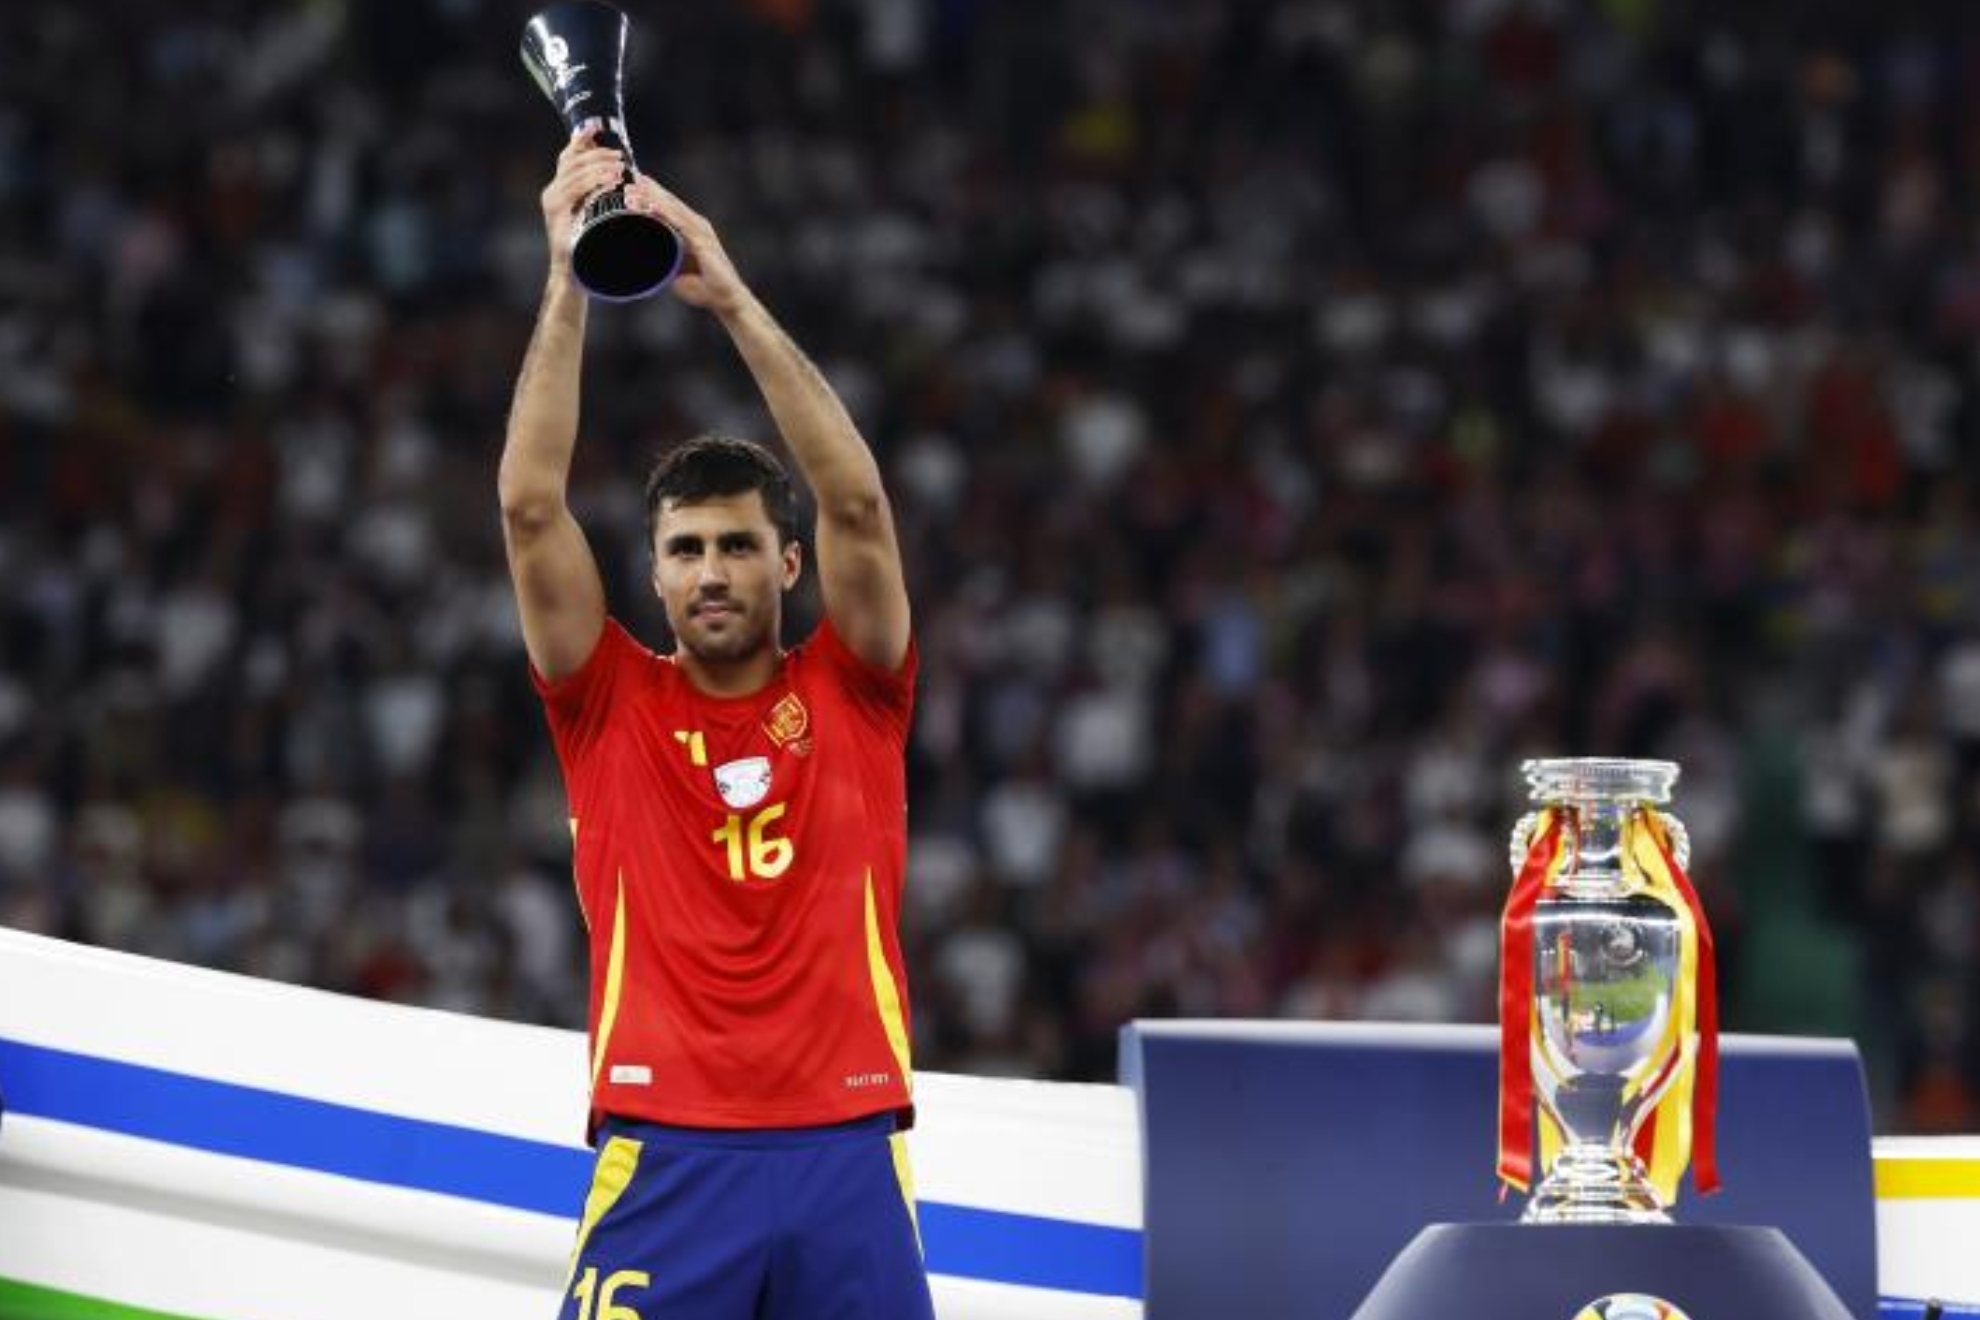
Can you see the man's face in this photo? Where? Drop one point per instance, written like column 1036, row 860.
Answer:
column 721, row 575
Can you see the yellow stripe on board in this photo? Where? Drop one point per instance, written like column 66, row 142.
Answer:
column 609, row 1180
column 885, row 993
column 1928, row 1180
column 615, row 970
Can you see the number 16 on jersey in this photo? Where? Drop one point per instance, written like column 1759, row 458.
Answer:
column 754, row 853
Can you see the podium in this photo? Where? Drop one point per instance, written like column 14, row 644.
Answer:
column 1551, row 1271
column 1289, row 1163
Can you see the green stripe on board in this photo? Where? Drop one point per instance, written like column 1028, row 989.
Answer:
column 24, row 1301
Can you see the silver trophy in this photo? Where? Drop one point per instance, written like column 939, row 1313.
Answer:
column 576, row 52
column 1606, row 986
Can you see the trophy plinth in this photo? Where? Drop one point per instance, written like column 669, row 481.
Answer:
column 576, row 53
column 1591, row 1272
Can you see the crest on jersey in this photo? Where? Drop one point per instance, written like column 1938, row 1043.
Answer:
column 744, row 783
column 787, row 720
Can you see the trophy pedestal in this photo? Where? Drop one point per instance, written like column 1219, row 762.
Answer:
column 1551, row 1271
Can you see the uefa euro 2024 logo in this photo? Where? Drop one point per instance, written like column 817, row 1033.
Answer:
column 1629, row 1306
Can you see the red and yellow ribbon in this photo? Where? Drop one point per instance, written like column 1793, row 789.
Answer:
column 1544, row 856
column 1680, row 1128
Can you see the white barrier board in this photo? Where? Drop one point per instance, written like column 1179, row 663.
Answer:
column 243, row 1145
column 255, row 1149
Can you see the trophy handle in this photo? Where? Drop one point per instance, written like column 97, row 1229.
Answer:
column 1522, row 840
column 1680, row 840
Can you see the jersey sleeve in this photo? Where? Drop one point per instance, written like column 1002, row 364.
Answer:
column 579, row 705
column 885, row 694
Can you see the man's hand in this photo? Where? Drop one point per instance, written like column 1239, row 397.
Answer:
column 584, row 170
column 708, row 278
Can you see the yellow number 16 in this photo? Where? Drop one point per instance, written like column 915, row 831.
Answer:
column 607, row 1308
column 754, row 853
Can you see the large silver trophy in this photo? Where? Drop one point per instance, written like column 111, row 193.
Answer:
column 576, row 52
column 1606, row 966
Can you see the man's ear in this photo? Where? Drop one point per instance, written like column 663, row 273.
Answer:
column 793, row 562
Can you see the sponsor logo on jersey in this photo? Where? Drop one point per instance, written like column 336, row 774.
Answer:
column 744, row 783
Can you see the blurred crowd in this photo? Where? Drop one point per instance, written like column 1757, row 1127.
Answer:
column 1296, row 413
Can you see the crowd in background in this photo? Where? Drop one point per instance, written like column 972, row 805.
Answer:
column 1295, row 413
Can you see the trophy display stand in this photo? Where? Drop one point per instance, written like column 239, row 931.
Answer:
column 1552, row 1271
column 1608, row 1016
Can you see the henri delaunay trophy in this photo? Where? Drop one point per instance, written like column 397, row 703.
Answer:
column 1607, row 1000
column 576, row 52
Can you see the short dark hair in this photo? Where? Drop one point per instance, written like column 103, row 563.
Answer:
column 712, row 466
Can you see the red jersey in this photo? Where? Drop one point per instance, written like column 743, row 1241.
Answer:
column 739, row 864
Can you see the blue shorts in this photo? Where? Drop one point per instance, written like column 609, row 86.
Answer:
column 782, row 1224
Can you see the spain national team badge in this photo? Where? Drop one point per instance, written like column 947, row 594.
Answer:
column 744, row 783
column 787, row 721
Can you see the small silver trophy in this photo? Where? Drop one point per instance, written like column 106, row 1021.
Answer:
column 576, row 52
column 1600, row 990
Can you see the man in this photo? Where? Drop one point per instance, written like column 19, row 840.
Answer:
column 739, row 823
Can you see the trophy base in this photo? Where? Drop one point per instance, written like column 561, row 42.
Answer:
column 621, row 255
column 1595, row 1185
column 1508, row 1272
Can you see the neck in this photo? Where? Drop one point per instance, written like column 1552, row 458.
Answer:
column 729, row 678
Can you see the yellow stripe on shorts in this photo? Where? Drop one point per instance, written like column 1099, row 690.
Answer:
column 904, row 1175
column 609, row 1180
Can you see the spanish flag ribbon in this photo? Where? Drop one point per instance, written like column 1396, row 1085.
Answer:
column 1682, row 1126
column 1544, row 857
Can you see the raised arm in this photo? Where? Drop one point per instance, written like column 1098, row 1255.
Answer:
column 859, row 559
column 557, row 586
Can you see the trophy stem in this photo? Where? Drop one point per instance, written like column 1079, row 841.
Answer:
column 1595, row 1183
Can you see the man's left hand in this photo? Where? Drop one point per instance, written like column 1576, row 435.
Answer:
column 708, row 278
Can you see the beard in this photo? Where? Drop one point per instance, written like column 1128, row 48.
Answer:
column 738, row 639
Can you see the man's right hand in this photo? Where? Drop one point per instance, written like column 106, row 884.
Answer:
column 584, row 170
